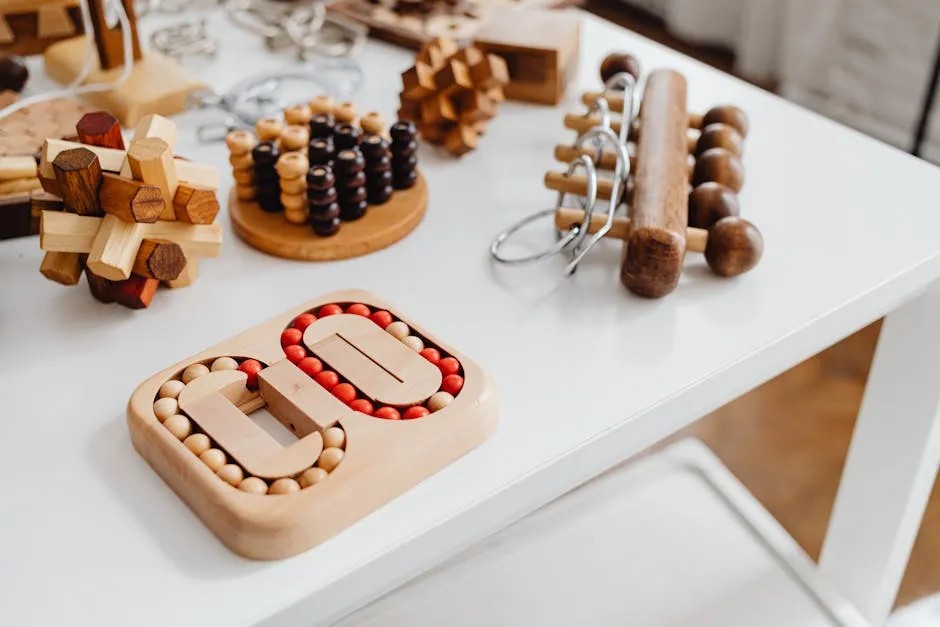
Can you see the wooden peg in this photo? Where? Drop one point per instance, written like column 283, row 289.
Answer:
column 100, row 128
column 64, row 268
column 194, row 204
column 159, row 259
column 129, row 200
column 577, row 184
column 114, row 249
column 78, row 175
column 151, row 162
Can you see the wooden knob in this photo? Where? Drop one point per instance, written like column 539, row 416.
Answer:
column 709, row 203
column 727, row 114
column 720, row 135
column 734, row 246
column 615, row 63
column 721, row 166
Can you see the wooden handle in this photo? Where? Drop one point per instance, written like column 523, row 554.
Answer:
column 621, row 227
column 608, row 160
column 615, row 103
column 577, row 184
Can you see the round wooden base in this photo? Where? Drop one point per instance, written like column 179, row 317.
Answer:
column 382, row 226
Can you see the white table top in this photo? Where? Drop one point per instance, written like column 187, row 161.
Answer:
column 588, row 374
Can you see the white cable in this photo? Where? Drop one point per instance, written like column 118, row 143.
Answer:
column 73, row 89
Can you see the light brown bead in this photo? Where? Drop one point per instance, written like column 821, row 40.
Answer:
column 194, row 371
column 298, row 114
column 269, row 129
column 345, row 113
column 244, row 177
column 179, row 426
column 398, row 330
column 295, row 138
column 294, row 186
column 253, row 485
column 330, row 458
column 414, row 343
column 198, row 443
column 734, row 246
column 334, row 437
column 322, row 104
column 439, row 400
column 213, row 458
column 372, row 123
column 298, row 215
column 223, row 363
column 720, row 135
column 312, row 476
column 171, row 389
column 240, row 142
column 284, row 485
column 245, row 192
column 165, row 407
column 292, row 165
column 242, row 162
column 231, row 474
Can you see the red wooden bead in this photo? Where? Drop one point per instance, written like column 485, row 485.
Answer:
column 359, row 310
column 449, row 365
column 310, row 366
column 432, row 355
column 416, row 411
column 251, row 367
column 345, row 392
column 303, row 321
column 329, row 310
column 361, row 405
column 452, row 384
column 295, row 353
column 388, row 413
column 328, row 379
column 289, row 337
column 382, row 318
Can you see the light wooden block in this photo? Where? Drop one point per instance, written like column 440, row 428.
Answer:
column 12, row 168
column 114, row 249
column 64, row 268
column 151, row 161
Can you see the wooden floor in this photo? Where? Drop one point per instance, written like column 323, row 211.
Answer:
column 787, row 440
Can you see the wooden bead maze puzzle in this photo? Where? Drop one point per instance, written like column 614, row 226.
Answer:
column 324, row 183
column 376, row 402
column 130, row 220
column 681, row 195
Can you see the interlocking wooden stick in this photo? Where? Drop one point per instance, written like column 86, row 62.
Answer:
column 608, row 160
column 151, row 161
column 582, row 124
column 577, row 184
column 114, row 249
column 724, row 114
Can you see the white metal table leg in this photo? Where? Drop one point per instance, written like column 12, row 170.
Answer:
column 892, row 462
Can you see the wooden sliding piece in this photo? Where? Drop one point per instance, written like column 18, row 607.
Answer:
column 78, row 174
column 188, row 276
column 64, row 268
column 100, row 128
column 136, row 292
column 151, row 161
column 297, row 401
column 114, row 249
column 159, row 259
column 129, row 200
column 157, row 126
column 660, row 209
column 194, row 204
column 13, row 168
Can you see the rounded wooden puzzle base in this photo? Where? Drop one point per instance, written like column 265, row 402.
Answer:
column 382, row 226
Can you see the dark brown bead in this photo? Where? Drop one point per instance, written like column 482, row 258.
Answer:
column 374, row 146
column 380, row 195
column 379, row 179
column 734, row 246
column 404, row 149
column 719, row 135
column 404, row 164
column 271, row 204
column 727, row 114
column 352, row 195
column 349, row 162
column 720, row 166
column 327, row 227
column 378, row 164
column 325, row 212
column 320, row 178
column 403, row 131
column 709, row 203
column 357, row 179
column 346, row 136
column 321, row 151
column 615, row 63
column 13, row 74
column 265, row 153
column 353, row 211
column 321, row 125
column 404, row 180
column 321, row 198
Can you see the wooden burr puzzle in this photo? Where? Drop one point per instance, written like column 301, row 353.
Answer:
column 324, row 182
column 130, row 220
column 678, row 175
column 376, row 402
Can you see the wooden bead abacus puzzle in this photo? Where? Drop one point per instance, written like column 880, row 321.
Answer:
column 131, row 219
column 678, row 175
column 324, row 183
column 377, row 404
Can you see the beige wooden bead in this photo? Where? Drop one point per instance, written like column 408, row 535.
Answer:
column 231, row 474
column 163, row 408
column 298, row 215
column 269, row 129
column 244, row 177
column 171, row 389
column 292, row 165
column 284, row 485
column 295, row 137
column 398, row 330
column 372, row 122
column 334, row 437
column 294, row 186
column 312, row 476
column 294, row 202
column 298, row 114
column 194, row 371
column 253, row 485
column 439, row 400
column 213, row 458
column 179, row 426
column 224, row 363
column 322, row 104
column 245, row 192
column 240, row 142
column 242, row 162
column 330, row 458
column 198, row 443
column 345, row 113
column 414, row 343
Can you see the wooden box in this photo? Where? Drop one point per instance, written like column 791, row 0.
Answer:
column 541, row 48
column 266, row 501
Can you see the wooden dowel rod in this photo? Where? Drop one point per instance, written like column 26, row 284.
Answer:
column 608, row 161
column 577, row 184
column 615, row 103
column 621, row 227
column 582, row 124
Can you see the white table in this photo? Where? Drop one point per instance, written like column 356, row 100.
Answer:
column 588, row 374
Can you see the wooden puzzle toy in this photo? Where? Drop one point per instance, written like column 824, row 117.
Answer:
column 376, row 402
column 23, row 131
column 677, row 175
column 322, row 182
column 450, row 93
column 130, row 219
column 30, row 26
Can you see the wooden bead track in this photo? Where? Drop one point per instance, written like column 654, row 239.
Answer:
column 323, row 183
column 685, row 174
column 376, row 402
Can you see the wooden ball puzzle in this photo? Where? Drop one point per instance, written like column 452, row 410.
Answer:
column 376, row 402
column 323, row 182
column 130, row 219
